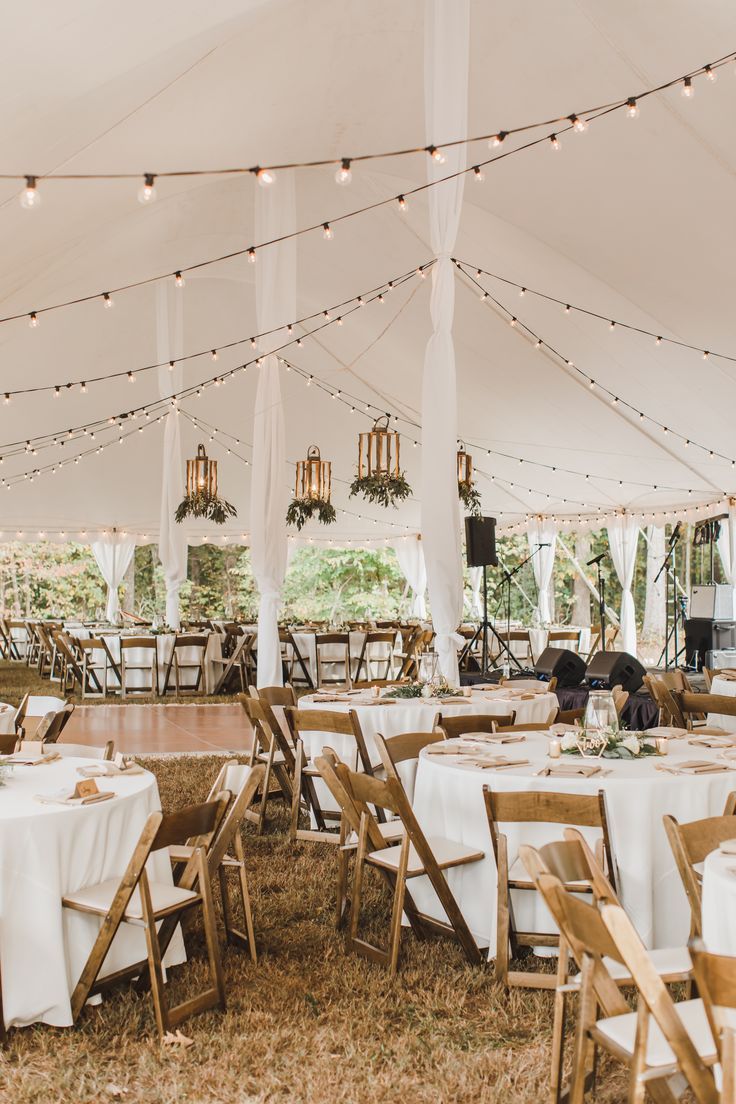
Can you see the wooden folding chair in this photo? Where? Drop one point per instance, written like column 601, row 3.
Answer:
column 97, row 662
column 183, row 667
column 129, row 666
column 271, row 748
column 554, row 636
column 238, row 665
column 52, row 725
column 531, row 726
column 689, row 708
column 454, row 727
column 293, row 661
column 335, row 669
column 612, row 632
column 301, row 722
column 572, row 862
column 67, row 649
column 404, row 748
column 8, row 647
column 377, row 651
column 240, row 782
column 690, row 844
column 416, row 856
column 33, row 645
column 105, row 752
column 417, row 642
column 605, row 1019
column 715, row 976
column 138, row 900
column 578, row 810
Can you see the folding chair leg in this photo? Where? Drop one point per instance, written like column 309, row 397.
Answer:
column 558, row 1024
column 155, row 969
column 343, row 859
column 266, row 784
column 502, row 920
column 210, row 931
column 397, row 910
column 247, row 939
column 296, row 795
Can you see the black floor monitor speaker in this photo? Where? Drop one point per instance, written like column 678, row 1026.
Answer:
column 480, row 541
column 705, row 635
column 609, row 669
column 560, row 663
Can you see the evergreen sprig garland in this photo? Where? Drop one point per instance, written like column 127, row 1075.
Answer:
column 205, row 506
column 385, row 490
column 302, row 509
column 469, row 495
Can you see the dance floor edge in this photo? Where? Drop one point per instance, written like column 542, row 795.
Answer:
column 160, row 729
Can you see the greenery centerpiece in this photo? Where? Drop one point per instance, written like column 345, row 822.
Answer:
column 420, row 689
column 312, row 491
column 379, row 478
column 467, row 491
column 607, row 743
column 200, row 498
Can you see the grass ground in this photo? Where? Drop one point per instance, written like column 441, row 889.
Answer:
column 311, row 1023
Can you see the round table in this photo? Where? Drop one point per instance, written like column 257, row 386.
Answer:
column 719, row 903
column 448, row 801
column 47, row 851
column 7, row 719
column 725, row 686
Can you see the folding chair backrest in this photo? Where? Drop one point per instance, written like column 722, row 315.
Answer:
column 241, row 782
column 266, row 727
column 656, row 996
column 337, row 777
column 192, row 822
column 715, row 977
column 129, row 642
column 404, row 747
column 274, row 695
column 691, row 705
column 453, row 727
column 186, row 640
column 321, row 720
column 690, row 843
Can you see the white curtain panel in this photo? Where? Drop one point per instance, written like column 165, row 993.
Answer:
column 476, row 582
column 542, row 534
column 447, row 24
column 113, row 559
column 275, row 306
column 410, row 556
column 623, row 537
column 727, row 545
column 172, row 541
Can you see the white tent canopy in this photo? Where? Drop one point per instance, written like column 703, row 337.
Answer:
column 633, row 220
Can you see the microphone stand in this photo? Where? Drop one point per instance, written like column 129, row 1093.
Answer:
column 669, row 566
column 506, row 581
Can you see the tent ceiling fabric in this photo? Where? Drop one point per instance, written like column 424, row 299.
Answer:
column 632, row 219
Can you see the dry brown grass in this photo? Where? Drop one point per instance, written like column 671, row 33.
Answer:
column 311, row 1023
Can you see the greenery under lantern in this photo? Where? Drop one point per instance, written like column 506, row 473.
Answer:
column 467, row 491
column 379, row 477
column 312, row 491
column 200, row 498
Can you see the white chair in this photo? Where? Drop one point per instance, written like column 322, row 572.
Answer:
column 86, row 751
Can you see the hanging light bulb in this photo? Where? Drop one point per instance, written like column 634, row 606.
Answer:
column 478, row 174
column 687, row 88
column 497, row 139
column 107, row 301
column 252, row 255
column 30, row 197
column 436, row 154
column 147, row 191
column 554, row 141
column 402, row 203
column 344, row 174
column 710, row 73
column 632, row 108
column 264, row 177
column 33, row 320
column 578, row 124
column 83, row 388
column 327, row 231
column 179, row 279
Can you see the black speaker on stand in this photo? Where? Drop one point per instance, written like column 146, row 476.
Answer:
column 480, row 551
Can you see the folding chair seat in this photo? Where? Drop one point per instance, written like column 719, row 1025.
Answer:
column 132, row 665
column 333, row 659
column 377, row 651
column 414, row 856
column 563, row 809
column 466, row 723
column 138, row 900
column 302, row 723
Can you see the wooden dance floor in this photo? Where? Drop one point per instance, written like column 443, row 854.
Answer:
column 154, row 729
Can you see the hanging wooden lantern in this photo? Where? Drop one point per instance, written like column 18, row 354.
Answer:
column 312, row 491
column 200, row 495
column 467, row 491
column 380, row 478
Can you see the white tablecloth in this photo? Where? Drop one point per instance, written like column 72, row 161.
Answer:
column 306, row 642
column 7, row 715
column 723, row 686
column 719, row 903
column 448, row 800
column 213, row 661
column 47, row 851
column 417, row 715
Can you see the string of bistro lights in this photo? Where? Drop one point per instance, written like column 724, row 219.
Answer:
column 331, row 315
column 593, row 384
column 612, row 323
column 576, row 121
column 218, row 380
column 265, row 174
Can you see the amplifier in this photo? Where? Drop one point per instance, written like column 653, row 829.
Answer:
column 726, row 657
column 704, row 635
column 712, row 600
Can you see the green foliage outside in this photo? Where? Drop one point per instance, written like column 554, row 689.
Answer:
column 50, row 580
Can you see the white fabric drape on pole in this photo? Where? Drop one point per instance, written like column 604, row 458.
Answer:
column 446, row 42
column 410, row 556
column 172, row 541
column 655, row 602
column 623, row 538
column 275, row 306
column 542, row 534
column 113, row 559
column 727, row 549
column 476, row 582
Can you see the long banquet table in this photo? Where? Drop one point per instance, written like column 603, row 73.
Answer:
column 448, row 800
column 49, row 850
